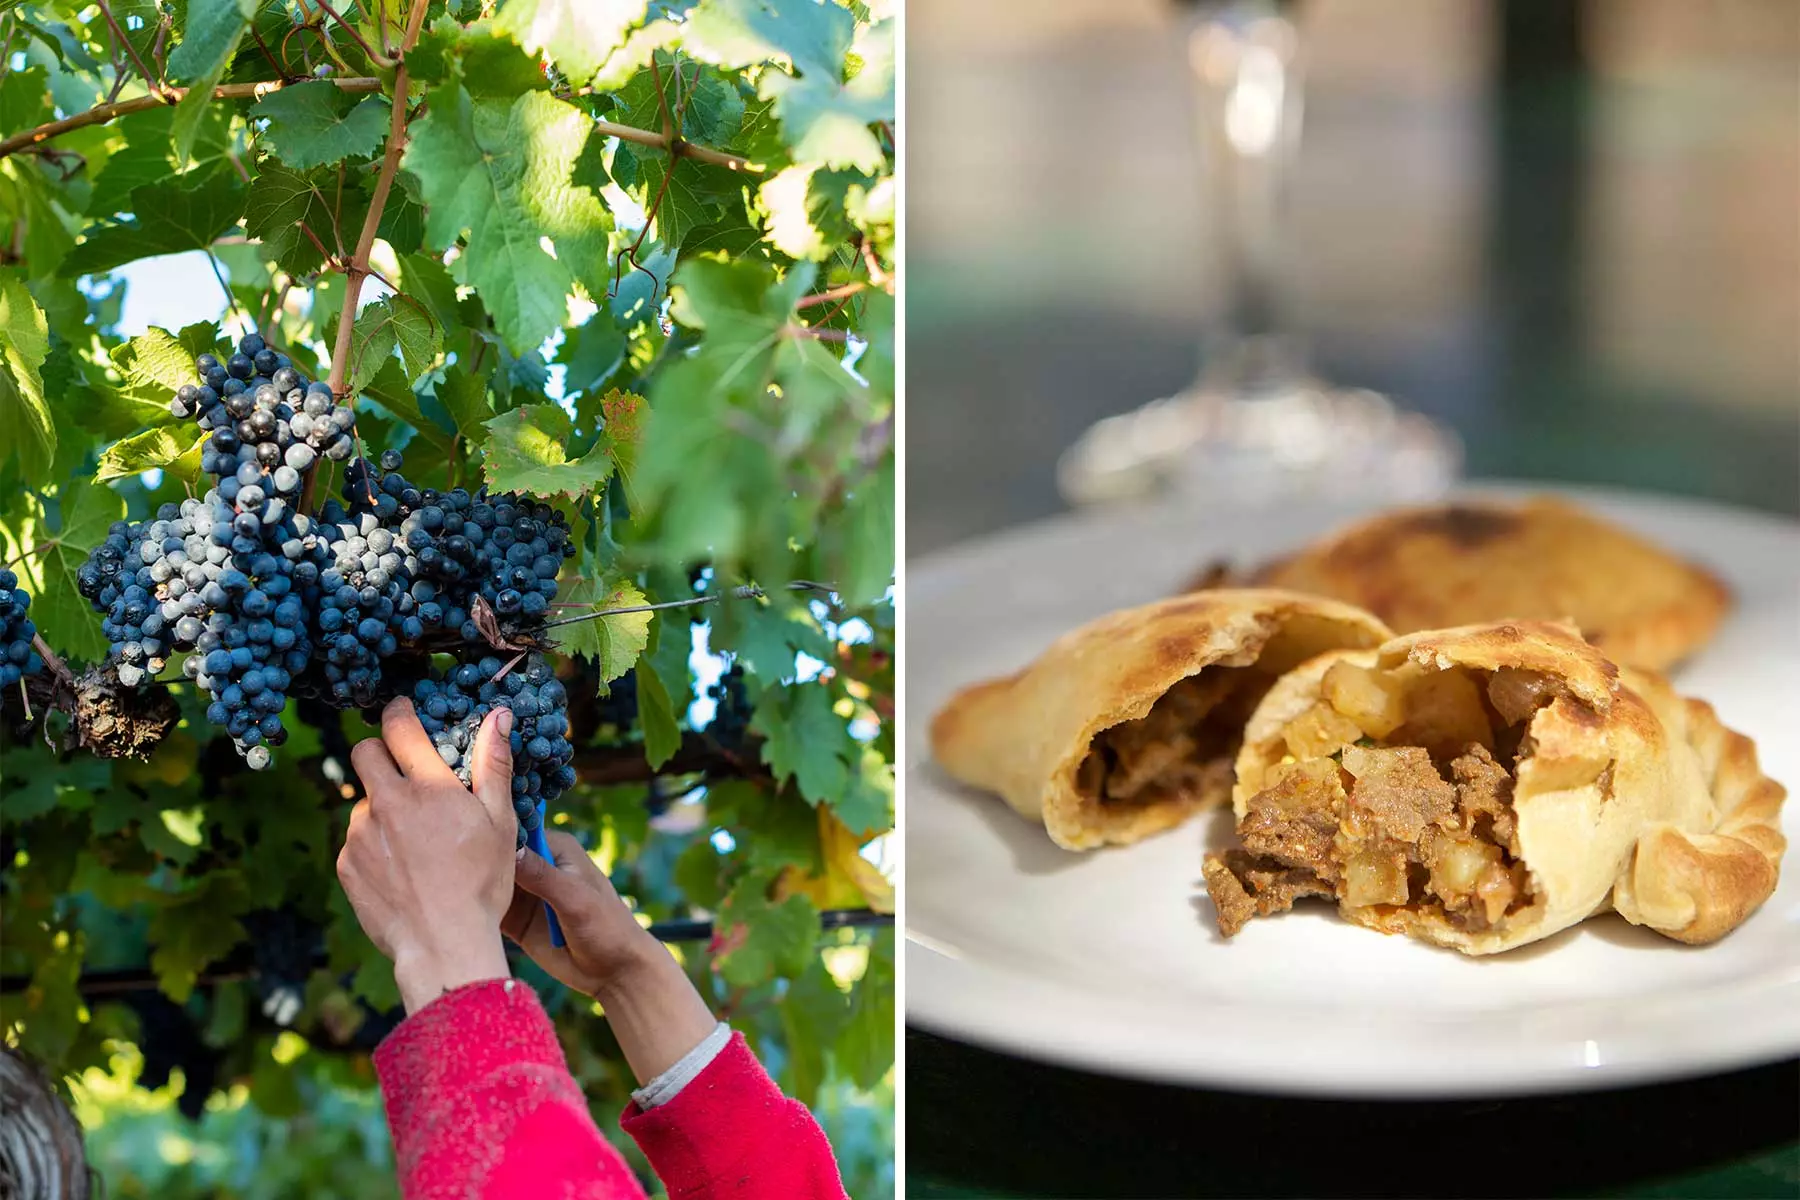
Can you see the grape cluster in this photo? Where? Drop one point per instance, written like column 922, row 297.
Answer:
column 285, row 944
column 170, row 1039
column 731, row 720
column 268, row 424
column 451, row 706
column 343, row 609
column 225, row 584
column 619, row 705
column 17, row 658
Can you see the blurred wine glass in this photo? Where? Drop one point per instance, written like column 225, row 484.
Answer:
column 1257, row 426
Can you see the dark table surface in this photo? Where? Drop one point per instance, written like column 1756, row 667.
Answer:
column 1546, row 366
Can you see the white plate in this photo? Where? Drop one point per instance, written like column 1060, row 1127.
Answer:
column 1110, row 960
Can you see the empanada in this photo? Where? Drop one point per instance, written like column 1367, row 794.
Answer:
column 1488, row 786
column 1463, row 563
column 1129, row 725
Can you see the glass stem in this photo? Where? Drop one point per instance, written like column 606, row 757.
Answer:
column 1244, row 67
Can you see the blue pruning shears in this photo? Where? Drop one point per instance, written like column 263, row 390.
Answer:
column 541, row 846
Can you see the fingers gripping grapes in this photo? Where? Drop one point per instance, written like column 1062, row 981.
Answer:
column 426, row 864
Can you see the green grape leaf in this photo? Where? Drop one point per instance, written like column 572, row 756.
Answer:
column 194, row 929
column 623, row 432
column 591, row 353
column 465, row 397
column 502, row 172
column 26, row 208
column 374, row 982
column 53, row 1002
column 285, row 199
column 577, row 35
column 61, row 613
column 767, row 636
column 389, row 389
column 387, row 325
column 26, row 428
column 742, row 33
column 424, row 276
column 634, row 54
column 779, row 828
column 756, row 940
column 813, row 1014
column 825, row 120
column 671, row 645
column 24, row 98
column 314, row 124
column 867, row 803
column 613, row 642
column 153, row 448
column 210, row 37
column 527, row 451
column 175, row 215
column 657, row 718
column 157, row 362
column 698, row 873
column 866, row 1048
column 148, row 154
column 860, row 539
column 804, row 740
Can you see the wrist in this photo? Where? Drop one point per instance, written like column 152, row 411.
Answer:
column 633, row 970
column 424, row 972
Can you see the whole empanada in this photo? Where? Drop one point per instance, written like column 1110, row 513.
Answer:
column 1488, row 786
column 1448, row 565
column 1129, row 725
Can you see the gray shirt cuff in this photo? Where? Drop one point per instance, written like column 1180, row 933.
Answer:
column 667, row 1086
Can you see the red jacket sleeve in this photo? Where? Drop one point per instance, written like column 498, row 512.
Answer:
column 730, row 1132
column 481, row 1104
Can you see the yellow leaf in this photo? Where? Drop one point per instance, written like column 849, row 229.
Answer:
column 848, row 880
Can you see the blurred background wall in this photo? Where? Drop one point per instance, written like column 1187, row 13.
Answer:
column 1568, row 228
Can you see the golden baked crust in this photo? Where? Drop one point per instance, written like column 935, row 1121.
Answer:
column 1026, row 736
column 1444, row 566
column 1697, row 882
column 1626, row 795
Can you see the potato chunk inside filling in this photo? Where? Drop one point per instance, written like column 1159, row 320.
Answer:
column 1181, row 748
column 1390, row 800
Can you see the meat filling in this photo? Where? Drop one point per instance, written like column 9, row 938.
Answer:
column 1391, row 801
column 1181, row 748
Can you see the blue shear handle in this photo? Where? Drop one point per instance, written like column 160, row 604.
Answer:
column 540, row 845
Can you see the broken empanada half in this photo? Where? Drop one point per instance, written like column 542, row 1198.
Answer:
column 1129, row 725
column 1449, row 565
column 1485, row 787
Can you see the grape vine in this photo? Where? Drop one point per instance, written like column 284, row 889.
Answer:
column 550, row 366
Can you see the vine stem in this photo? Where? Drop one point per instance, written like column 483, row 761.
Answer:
column 746, row 592
column 378, row 59
column 52, row 659
column 837, row 293
column 155, row 85
column 677, row 146
column 100, row 114
column 31, row 553
column 357, row 269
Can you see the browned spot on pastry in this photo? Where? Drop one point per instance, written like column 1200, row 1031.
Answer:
column 1463, row 525
column 1605, row 784
column 1447, row 566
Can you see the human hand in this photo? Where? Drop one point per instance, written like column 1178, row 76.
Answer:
column 427, row 865
column 654, row 1010
column 604, row 942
